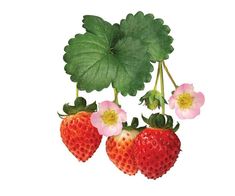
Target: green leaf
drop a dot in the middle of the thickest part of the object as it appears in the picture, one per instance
(97, 26)
(153, 33)
(100, 58)
(133, 66)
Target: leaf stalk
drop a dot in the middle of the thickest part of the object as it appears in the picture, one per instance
(77, 93)
(115, 96)
(156, 81)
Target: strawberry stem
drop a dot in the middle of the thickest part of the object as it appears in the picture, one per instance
(169, 75)
(115, 96)
(76, 91)
(156, 81)
(162, 86)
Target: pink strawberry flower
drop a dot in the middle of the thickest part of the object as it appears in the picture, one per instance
(108, 119)
(186, 101)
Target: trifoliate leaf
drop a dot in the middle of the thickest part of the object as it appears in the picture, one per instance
(100, 58)
(153, 33)
(97, 26)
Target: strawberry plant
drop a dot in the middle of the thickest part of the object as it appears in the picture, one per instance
(124, 55)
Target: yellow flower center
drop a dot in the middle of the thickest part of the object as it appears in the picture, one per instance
(185, 101)
(110, 117)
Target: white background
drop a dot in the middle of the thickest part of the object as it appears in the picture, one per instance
(34, 86)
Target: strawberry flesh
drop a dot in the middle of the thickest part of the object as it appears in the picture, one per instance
(156, 151)
(120, 151)
(80, 137)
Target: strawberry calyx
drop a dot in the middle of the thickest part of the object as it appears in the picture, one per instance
(80, 104)
(162, 121)
(153, 99)
(133, 126)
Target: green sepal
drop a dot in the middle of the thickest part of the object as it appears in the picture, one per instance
(153, 99)
(169, 121)
(134, 125)
(80, 102)
(79, 105)
(146, 120)
(177, 126)
(62, 115)
(124, 124)
(70, 110)
(161, 121)
(135, 122)
(92, 107)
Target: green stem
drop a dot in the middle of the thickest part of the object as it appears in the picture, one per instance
(162, 87)
(157, 77)
(115, 96)
(169, 75)
(76, 91)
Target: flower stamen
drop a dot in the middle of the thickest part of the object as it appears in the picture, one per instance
(185, 101)
(109, 117)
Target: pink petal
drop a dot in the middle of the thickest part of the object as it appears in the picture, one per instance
(106, 105)
(110, 130)
(199, 99)
(96, 120)
(103, 130)
(188, 113)
(184, 88)
(179, 113)
(118, 129)
(122, 115)
(172, 102)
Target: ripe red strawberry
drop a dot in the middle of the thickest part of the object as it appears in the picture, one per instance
(120, 151)
(156, 149)
(81, 138)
